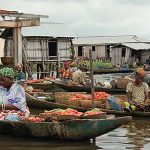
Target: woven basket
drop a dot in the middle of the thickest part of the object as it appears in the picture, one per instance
(122, 83)
(62, 97)
(44, 115)
(88, 104)
(75, 103)
(67, 117)
(96, 116)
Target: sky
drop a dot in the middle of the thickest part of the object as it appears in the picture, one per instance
(91, 17)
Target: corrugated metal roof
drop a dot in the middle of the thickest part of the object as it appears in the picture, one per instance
(48, 30)
(99, 40)
(137, 46)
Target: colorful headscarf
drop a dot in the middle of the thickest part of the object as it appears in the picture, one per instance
(141, 72)
(66, 64)
(7, 72)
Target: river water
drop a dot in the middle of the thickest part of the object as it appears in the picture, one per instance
(134, 136)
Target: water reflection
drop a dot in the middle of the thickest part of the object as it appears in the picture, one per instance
(135, 136)
(16, 143)
(139, 133)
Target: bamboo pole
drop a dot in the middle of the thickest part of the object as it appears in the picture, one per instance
(92, 79)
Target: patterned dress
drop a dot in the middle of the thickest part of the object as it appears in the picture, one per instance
(15, 96)
(138, 92)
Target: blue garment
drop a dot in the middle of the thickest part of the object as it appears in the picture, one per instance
(21, 76)
(113, 104)
(12, 117)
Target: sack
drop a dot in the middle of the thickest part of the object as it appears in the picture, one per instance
(113, 104)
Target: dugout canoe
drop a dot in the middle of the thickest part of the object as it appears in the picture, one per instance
(34, 103)
(109, 71)
(80, 129)
(44, 86)
(77, 88)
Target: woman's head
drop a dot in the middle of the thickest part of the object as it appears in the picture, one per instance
(18, 68)
(139, 75)
(66, 64)
(7, 76)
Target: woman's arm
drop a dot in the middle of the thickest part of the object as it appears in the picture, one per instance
(129, 97)
(9, 107)
(146, 96)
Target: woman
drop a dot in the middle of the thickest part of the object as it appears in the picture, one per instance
(20, 73)
(12, 95)
(66, 73)
(78, 77)
(137, 90)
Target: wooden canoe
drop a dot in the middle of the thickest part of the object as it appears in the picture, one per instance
(43, 86)
(80, 129)
(77, 88)
(109, 71)
(34, 103)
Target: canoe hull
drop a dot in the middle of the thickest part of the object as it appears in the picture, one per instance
(70, 130)
(76, 88)
(43, 86)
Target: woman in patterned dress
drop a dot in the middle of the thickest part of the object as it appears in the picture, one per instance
(137, 90)
(12, 95)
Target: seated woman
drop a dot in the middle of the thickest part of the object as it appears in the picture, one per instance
(78, 77)
(137, 90)
(12, 95)
(66, 73)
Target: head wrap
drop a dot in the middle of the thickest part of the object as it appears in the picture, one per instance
(66, 64)
(141, 72)
(18, 67)
(7, 72)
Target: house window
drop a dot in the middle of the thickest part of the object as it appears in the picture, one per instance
(132, 53)
(93, 48)
(52, 46)
(80, 50)
(123, 52)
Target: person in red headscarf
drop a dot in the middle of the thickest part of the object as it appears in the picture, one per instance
(66, 73)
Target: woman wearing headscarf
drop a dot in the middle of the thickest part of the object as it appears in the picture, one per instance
(12, 95)
(20, 73)
(66, 73)
(137, 90)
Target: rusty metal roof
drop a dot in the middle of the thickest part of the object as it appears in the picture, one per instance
(47, 29)
(100, 40)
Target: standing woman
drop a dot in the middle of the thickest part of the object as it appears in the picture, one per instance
(12, 95)
(137, 90)
(20, 74)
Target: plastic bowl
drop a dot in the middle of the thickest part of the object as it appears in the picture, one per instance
(41, 98)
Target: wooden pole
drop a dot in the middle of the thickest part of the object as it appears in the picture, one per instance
(92, 79)
(17, 37)
(92, 83)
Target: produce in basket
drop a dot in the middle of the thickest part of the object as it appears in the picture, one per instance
(94, 114)
(60, 114)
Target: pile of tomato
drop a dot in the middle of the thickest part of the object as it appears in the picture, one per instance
(34, 119)
(67, 111)
(35, 81)
(97, 96)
